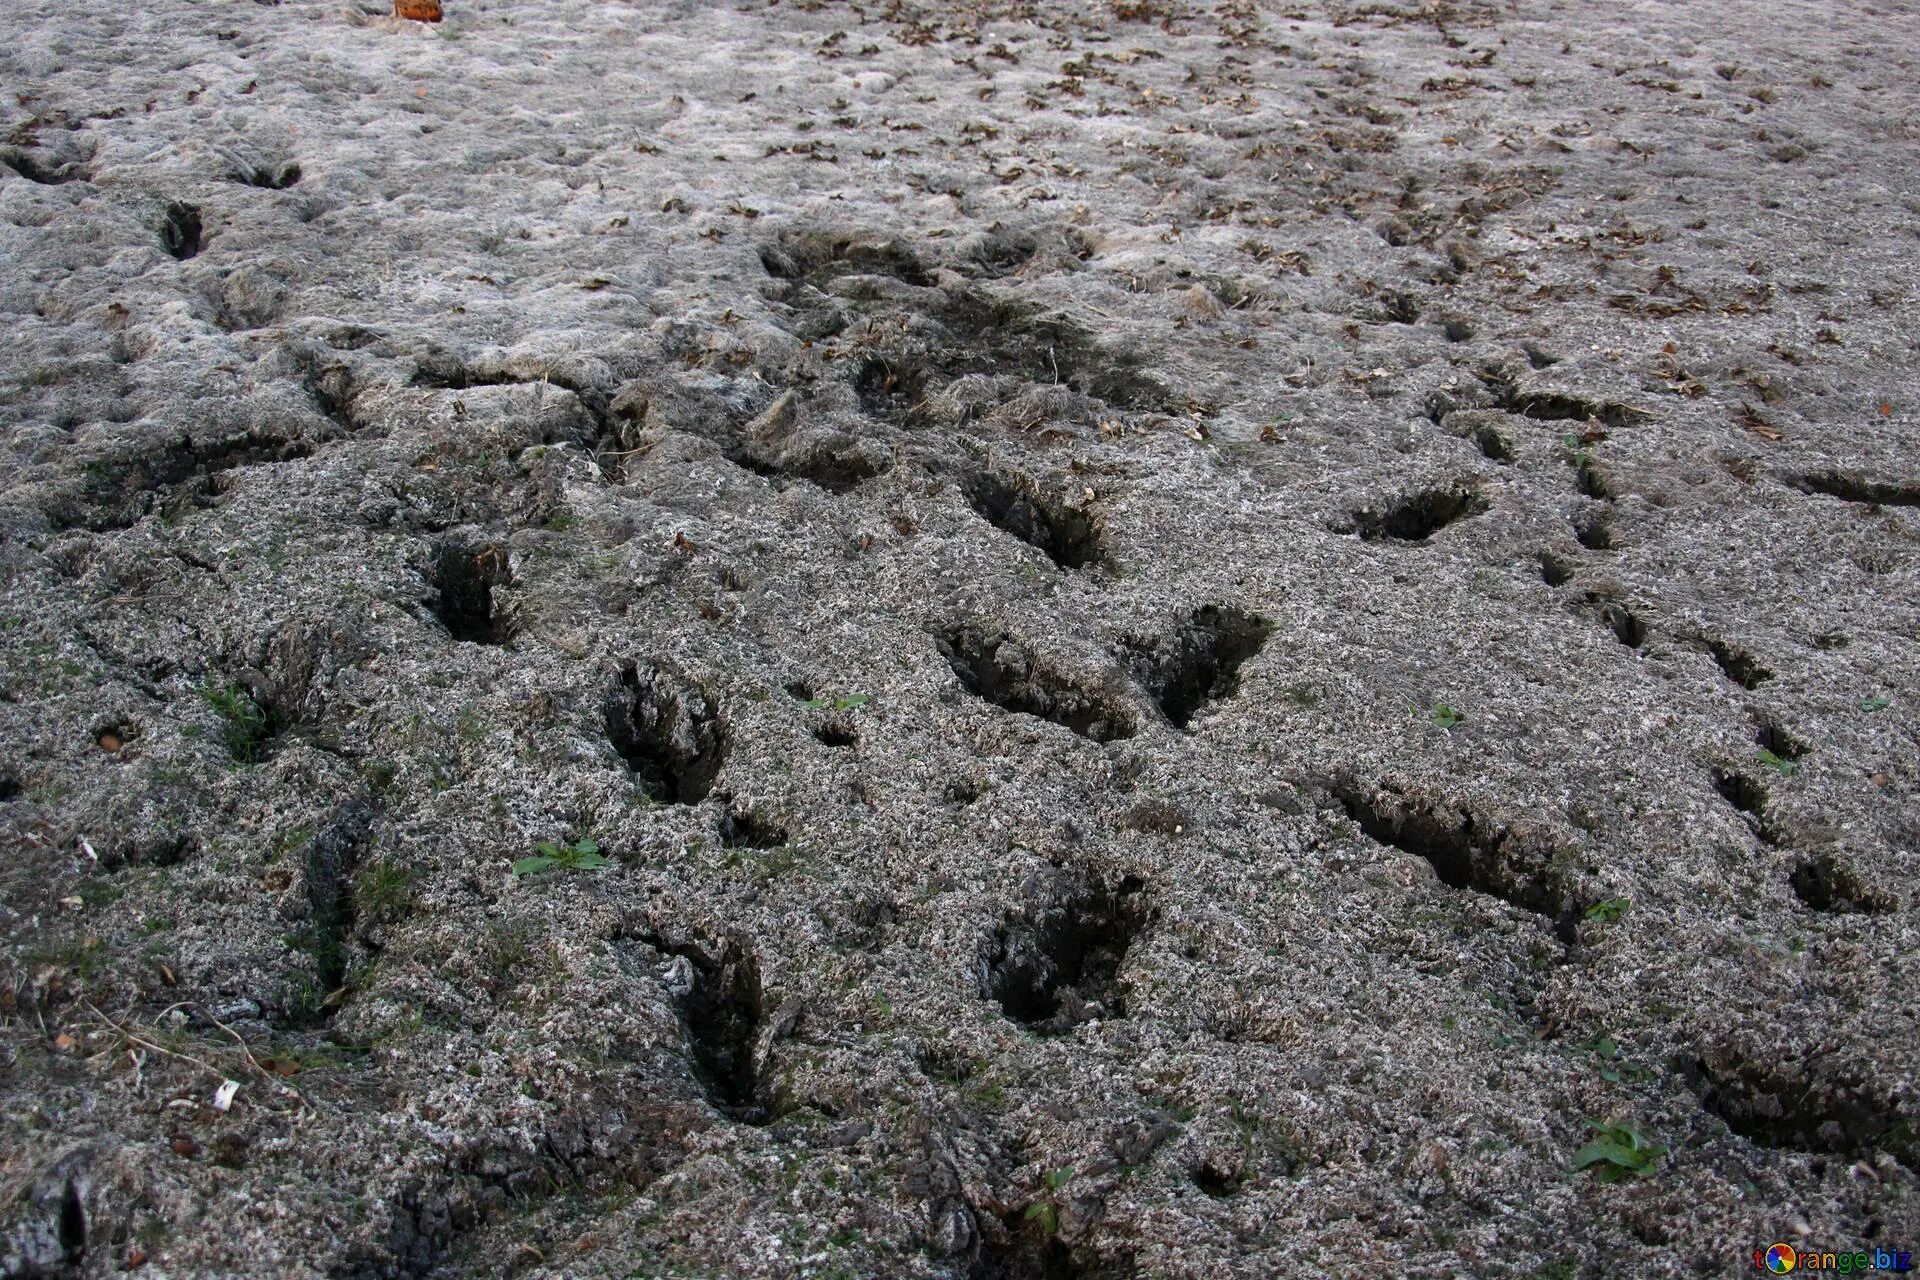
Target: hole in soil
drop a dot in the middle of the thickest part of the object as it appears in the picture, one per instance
(1419, 516)
(998, 256)
(962, 334)
(1215, 1183)
(1200, 662)
(1158, 817)
(1772, 736)
(1826, 883)
(889, 387)
(272, 177)
(1013, 504)
(1548, 406)
(1538, 357)
(671, 734)
(1492, 443)
(33, 169)
(1523, 868)
(723, 1011)
(180, 231)
(9, 787)
(465, 576)
(1028, 1254)
(963, 791)
(72, 1227)
(1594, 530)
(1556, 571)
(993, 667)
(332, 390)
(1592, 482)
(799, 689)
(1795, 1104)
(836, 733)
(1058, 965)
(1739, 666)
(742, 829)
(1456, 330)
(1854, 488)
(1746, 794)
(332, 858)
(1399, 307)
(1627, 627)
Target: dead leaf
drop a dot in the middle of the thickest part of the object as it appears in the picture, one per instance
(1750, 419)
(63, 1043)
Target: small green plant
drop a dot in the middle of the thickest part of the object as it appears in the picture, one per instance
(848, 702)
(1878, 702)
(1578, 450)
(1445, 716)
(1779, 764)
(1617, 1151)
(1046, 1212)
(1608, 911)
(1612, 1067)
(581, 855)
(244, 726)
(381, 889)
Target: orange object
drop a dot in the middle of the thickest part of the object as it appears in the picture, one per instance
(418, 10)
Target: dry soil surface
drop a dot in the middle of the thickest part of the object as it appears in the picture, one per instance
(1150, 638)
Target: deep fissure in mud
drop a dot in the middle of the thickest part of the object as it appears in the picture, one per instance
(1738, 665)
(745, 829)
(1801, 1103)
(1826, 882)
